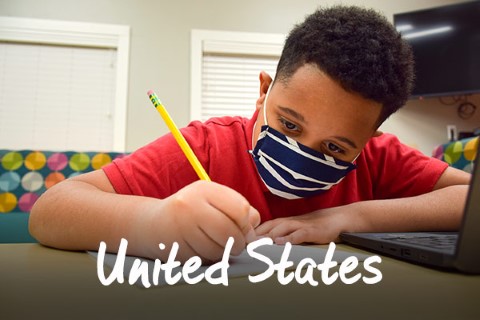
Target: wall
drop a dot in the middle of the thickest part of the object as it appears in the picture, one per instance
(423, 124)
(160, 58)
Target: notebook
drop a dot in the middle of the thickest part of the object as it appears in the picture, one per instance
(447, 250)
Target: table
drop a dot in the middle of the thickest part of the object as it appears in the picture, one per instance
(37, 282)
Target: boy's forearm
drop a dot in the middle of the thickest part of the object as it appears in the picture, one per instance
(77, 216)
(439, 210)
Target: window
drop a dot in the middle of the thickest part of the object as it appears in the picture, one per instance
(63, 85)
(225, 68)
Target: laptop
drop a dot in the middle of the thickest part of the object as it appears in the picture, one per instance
(458, 251)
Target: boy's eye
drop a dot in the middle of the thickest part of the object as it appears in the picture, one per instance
(289, 125)
(334, 148)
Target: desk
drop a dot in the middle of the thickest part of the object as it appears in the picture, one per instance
(42, 283)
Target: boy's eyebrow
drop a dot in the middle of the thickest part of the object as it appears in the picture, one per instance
(293, 113)
(347, 141)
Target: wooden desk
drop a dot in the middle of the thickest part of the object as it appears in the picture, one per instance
(42, 283)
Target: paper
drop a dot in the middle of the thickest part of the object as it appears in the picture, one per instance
(241, 265)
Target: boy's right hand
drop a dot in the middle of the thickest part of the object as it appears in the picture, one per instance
(200, 217)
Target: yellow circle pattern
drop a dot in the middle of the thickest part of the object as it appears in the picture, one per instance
(100, 160)
(35, 161)
(470, 149)
(8, 201)
(26, 174)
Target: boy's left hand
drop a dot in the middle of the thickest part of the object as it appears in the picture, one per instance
(439, 210)
(319, 227)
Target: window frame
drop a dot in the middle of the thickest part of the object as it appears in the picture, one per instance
(225, 42)
(70, 33)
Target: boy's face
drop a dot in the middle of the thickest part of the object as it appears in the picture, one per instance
(317, 112)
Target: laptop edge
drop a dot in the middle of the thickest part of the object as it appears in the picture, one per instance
(465, 258)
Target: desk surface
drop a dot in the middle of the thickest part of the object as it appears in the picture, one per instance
(48, 283)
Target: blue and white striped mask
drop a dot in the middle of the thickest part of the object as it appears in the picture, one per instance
(291, 170)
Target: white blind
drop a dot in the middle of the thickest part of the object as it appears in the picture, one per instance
(56, 97)
(230, 83)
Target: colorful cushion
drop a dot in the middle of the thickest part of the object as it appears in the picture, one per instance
(26, 174)
(459, 154)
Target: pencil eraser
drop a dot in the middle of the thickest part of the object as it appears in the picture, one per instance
(150, 92)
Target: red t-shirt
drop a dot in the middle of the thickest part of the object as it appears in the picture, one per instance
(385, 169)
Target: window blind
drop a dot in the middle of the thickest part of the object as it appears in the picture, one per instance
(56, 97)
(230, 83)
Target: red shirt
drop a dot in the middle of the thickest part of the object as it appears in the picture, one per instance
(385, 169)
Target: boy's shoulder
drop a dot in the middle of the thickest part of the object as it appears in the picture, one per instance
(218, 129)
(385, 143)
(388, 149)
(397, 170)
(226, 121)
(218, 123)
(383, 139)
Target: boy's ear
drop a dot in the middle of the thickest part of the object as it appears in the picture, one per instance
(265, 81)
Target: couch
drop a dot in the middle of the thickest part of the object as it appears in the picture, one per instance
(458, 154)
(26, 174)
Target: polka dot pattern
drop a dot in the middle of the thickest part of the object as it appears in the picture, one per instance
(470, 150)
(26, 201)
(99, 160)
(12, 160)
(32, 181)
(453, 152)
(9, 181)
(57, 161)
(79, 161)
(35, 160)
(459, 154)
(8, 202)
(26, 174)
(53, 178)
(438, 152)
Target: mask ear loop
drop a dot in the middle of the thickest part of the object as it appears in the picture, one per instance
(358, 155)
(264, 111)
(265, 105)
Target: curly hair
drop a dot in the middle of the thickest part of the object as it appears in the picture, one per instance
(356, 47)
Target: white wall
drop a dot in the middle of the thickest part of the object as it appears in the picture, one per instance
(423, 124)
(160, 58)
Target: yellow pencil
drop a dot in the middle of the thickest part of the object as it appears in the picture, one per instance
(192, 158)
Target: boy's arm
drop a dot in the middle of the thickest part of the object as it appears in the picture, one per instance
(441, 210)
(78, 213)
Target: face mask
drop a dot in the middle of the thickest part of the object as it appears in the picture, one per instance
(291, 170)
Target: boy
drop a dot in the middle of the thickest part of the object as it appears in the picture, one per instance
(309, 165)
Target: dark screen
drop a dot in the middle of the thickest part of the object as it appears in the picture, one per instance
(447, 61)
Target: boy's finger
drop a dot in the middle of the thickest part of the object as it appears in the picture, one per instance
(264, 228)
(254, 217)
(232, 204)
(250, 236)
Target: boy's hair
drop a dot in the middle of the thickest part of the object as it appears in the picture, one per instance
(356, 47)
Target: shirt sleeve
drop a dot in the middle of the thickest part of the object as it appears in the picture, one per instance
(160, 168)
(401, 171)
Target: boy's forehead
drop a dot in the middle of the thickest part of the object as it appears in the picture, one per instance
(312, 96)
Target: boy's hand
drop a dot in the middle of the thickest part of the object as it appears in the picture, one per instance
(319, 227)
(439, 210)
(200, 217)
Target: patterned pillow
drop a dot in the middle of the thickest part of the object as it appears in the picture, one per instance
(459, 154)
(26, 174)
